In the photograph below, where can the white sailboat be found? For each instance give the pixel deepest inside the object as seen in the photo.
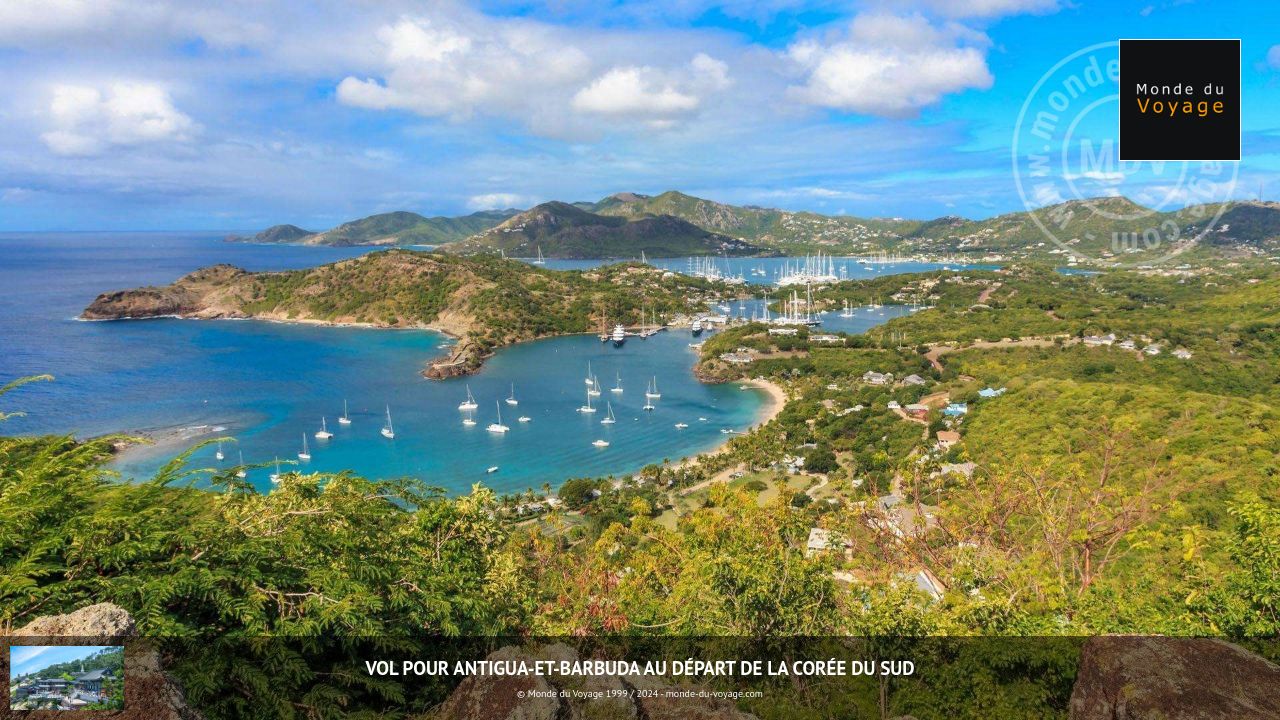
(241, 473)
(388, 431)
(275, 476)
(609, 419)
(305, 454)
(469, 420)
(469, 403)
(652, 393)
(323, 433)
(346, 416)
(594, 389)
(617, 387)
(541, 260)
(681, 426)
(523, 418)
(601, 443)
(512, 400)
(218, 455)
(587, 408)
(590, 378)
(498, 427)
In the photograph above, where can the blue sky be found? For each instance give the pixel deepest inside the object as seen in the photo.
(181, 114)
(24, 659)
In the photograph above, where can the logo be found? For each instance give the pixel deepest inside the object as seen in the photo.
(1083, 197)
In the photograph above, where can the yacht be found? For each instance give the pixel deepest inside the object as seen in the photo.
(601, 443)
(652, 393)
(523, 418)
(590, 378)
(323, 433)
(498, 427)
(469, 403)
(492, 469)
(594, 390)
(388, 431)
(541, 260)
(619, 335)
(512, 400)
(275, 476)
(346, 416)
(305, 454)
(617, 387)
(241, 473)
(697, 327)
(609, 419)
(587, 408)
(681, 426)
(218, 455)
(469, 420)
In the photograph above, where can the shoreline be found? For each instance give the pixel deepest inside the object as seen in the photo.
(776, 400)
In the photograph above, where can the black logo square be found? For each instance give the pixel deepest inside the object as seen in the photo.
(1179, 100)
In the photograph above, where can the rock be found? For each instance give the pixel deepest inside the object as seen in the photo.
(149, 692)
(497, 698)
(102, 621)
(1144, 678)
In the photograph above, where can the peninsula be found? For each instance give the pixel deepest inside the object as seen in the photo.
(484, 301)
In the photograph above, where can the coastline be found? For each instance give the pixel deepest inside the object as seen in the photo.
(776, 400)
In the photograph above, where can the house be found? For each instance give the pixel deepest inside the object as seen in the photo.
(965, 468)
(929, 583)
(917, 410)
(1152, 349)
(947, 438)
(893, 405)
(1098, 340)
(955, 409)
(991, 392)
(782, 331)
(742, 356)
(826, 338)
(1182, 354)
(91, 681)
(821, 540)
(1128, 345)
(913, 380)
(871, 377)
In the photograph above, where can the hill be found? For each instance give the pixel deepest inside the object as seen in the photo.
(484, 301)
(562, 230)
(393, 228)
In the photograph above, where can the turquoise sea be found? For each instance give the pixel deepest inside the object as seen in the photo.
(268, 384)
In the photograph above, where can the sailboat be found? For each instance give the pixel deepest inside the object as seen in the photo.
(541, 260)
(388, 431)
(652, 393)
(241, 473)
(469, 420)
(323, 433)
(601, 443)
(643, 259)
(594, 390)
(218, 455)
(275, 476)
(524, 418)
(469, 403)
(617, 387)
(848, 311)
(587, 408)
(590, 378)
(346, 416)
(681, 426)
(498, 427)
(610, 419)
(512, 400)
(305, 454)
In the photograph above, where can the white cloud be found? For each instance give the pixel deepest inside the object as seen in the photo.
(86, 120)
(891, 66)
(497, 201)
(989, 8)
(652, 95)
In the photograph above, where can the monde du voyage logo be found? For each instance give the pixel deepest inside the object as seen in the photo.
(1179, 100)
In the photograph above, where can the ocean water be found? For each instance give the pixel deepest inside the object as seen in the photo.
(269, 384)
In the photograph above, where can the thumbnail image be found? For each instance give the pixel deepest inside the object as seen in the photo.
(66, 677)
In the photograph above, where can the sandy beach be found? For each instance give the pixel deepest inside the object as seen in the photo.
(777, 399)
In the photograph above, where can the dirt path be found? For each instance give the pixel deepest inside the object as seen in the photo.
(986, 294)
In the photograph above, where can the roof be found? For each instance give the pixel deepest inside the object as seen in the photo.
(913, 380)
(948, 436)
(92, 675)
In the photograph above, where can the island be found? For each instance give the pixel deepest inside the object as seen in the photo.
(485, 302)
